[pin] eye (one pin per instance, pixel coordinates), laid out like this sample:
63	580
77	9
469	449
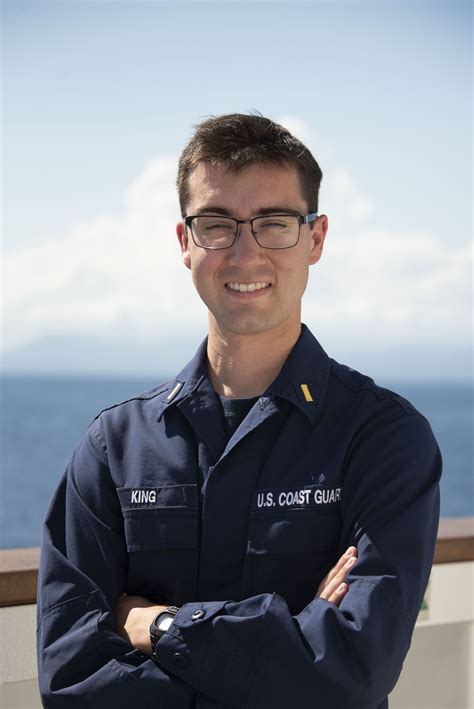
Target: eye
213	225
274	222
217	225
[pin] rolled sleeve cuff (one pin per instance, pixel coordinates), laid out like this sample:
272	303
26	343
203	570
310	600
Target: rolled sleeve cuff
182	649
199	649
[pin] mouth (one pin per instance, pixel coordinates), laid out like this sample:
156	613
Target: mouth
248	287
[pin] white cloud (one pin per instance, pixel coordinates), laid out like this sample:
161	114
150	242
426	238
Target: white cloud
389	288
120	272
123	274
344	190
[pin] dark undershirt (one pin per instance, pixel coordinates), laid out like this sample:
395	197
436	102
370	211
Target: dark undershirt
234	411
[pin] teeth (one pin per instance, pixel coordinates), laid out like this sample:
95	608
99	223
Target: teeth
247	287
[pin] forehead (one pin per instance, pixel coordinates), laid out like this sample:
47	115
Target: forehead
247	191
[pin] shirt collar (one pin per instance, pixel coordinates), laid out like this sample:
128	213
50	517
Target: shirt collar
186	382
302	380
304	377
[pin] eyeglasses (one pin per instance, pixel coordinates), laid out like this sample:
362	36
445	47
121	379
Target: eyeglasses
274	231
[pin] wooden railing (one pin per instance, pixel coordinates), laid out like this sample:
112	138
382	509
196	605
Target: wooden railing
19	567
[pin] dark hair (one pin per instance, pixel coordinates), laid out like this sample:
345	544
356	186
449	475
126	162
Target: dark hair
237	141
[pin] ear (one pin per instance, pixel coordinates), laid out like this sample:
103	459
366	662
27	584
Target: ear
318	234
182	233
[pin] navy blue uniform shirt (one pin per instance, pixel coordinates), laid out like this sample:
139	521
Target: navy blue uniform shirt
157	502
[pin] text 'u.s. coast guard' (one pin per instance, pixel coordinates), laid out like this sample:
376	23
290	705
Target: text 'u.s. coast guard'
306	497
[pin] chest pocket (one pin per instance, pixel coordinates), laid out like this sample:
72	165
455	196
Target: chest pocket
290	549
161	532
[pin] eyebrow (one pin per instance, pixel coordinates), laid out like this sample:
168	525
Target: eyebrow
213	210
277	209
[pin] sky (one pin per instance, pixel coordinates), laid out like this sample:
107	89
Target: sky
98	100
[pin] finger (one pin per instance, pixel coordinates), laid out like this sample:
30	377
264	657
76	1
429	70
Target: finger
338	594
332	590
330	587
348	554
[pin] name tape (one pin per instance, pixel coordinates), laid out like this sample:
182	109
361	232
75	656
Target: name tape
304	497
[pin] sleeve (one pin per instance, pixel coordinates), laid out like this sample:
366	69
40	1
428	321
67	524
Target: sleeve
254	654
82	660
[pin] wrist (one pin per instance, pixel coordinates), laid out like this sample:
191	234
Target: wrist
140	620
160	625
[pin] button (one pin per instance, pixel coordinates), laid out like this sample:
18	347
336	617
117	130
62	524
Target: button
197	615
179	660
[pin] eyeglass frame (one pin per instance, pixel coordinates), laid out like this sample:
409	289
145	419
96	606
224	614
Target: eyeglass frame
302	219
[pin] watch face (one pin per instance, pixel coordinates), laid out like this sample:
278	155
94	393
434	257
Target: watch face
165	622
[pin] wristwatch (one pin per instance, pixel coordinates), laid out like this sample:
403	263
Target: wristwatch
159	625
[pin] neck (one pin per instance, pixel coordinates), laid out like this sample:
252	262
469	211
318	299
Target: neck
243	366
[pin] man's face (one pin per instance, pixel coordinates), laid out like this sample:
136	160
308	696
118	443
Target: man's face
283	272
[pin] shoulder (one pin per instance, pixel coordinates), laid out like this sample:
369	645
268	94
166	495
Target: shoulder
373	412
143	400
118	421
349	385
385	428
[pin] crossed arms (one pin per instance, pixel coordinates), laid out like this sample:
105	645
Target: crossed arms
339	651
134	614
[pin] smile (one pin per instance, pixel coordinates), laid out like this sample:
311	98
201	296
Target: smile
247	287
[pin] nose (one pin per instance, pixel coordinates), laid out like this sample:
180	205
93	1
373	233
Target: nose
245	251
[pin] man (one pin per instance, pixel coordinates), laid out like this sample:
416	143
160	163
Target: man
259	531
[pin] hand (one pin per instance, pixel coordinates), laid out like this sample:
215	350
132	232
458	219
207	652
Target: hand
134	616
333	588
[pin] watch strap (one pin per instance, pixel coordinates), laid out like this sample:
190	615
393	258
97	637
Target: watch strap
155	632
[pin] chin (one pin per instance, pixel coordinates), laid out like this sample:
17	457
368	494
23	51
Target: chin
248	326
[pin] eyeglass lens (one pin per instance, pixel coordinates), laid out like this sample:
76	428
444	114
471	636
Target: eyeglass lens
274	231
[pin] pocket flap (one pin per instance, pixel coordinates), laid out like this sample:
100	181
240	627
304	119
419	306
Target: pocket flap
160	518
146	530
294	532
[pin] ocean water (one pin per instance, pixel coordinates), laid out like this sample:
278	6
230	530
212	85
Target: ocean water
43	419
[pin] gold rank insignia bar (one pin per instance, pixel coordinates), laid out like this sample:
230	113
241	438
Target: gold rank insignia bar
307	393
